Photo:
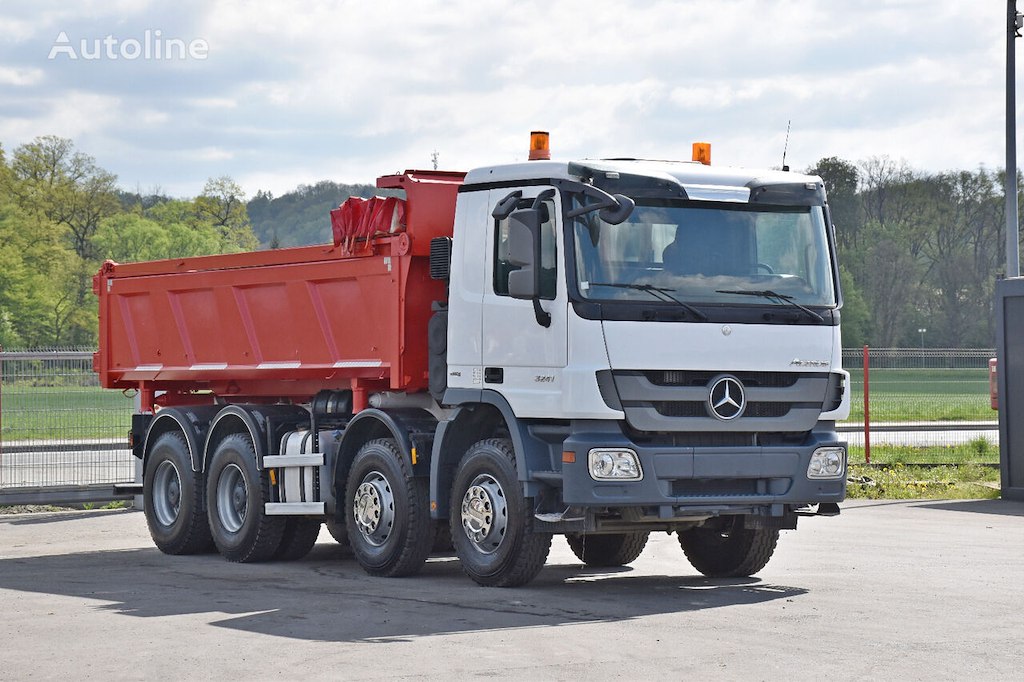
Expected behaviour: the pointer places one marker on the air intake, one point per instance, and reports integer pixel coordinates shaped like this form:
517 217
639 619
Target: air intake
440 258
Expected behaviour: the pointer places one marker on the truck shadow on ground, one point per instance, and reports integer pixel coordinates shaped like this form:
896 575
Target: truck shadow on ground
998 507
326 597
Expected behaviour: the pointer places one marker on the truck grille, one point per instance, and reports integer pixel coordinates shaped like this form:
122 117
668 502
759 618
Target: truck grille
695 409
673 377
672 401
729 487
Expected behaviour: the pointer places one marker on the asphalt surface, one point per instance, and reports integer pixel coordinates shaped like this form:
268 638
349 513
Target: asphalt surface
888 590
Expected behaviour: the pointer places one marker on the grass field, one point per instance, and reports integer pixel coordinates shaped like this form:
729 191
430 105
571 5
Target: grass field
903 482
978 451
902 395
67 413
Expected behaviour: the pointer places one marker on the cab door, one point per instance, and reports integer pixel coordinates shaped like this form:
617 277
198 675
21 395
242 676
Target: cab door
523 359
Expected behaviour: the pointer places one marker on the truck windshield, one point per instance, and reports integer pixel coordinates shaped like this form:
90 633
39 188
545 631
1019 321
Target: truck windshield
705 252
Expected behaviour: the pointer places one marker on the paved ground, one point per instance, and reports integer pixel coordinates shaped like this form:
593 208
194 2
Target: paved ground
889 590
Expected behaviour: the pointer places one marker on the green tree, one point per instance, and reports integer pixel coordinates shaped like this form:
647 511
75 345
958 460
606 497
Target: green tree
222 204
841 180
302 216
856 316
128 238
49 178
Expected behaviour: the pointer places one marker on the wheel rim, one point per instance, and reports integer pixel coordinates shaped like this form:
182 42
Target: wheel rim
166 493
232 498
484 513
374 509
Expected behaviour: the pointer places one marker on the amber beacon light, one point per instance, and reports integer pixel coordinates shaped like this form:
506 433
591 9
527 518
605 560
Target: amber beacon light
540 146
702 152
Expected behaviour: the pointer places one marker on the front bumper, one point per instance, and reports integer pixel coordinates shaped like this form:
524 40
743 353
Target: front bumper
679 478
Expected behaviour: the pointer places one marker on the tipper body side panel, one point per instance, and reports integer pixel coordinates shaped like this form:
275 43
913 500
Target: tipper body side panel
285 323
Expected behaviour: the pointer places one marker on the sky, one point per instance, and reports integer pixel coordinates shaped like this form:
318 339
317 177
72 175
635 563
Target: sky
277 94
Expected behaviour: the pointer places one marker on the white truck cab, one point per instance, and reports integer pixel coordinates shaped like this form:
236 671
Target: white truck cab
662 340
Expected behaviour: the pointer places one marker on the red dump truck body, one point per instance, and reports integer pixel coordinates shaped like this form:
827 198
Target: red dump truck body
281 324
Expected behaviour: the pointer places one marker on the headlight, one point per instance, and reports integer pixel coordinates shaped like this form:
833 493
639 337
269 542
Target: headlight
827 463
612 464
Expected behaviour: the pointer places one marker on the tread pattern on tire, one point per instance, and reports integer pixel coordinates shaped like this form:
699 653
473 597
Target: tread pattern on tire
269 529
615 549
744 553
196 538
532 553
299 537
340 534
419 533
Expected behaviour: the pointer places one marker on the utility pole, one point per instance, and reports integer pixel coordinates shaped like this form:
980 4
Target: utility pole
1014 21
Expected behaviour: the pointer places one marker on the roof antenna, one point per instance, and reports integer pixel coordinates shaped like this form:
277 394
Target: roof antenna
785 148
435 156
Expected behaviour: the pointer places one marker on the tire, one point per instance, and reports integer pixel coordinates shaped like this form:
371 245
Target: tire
299 537
340 534
727 549
173 498
387 512
236 492
616 549
490 519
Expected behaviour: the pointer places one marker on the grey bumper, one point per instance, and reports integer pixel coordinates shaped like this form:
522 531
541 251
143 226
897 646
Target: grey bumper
718 477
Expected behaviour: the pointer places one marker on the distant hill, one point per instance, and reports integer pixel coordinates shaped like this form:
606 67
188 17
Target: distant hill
300 217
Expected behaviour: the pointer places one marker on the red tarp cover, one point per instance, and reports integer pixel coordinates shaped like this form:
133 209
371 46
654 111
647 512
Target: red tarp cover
360 218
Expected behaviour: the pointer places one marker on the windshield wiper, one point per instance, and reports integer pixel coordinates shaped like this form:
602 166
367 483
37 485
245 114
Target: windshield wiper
783 299
660 293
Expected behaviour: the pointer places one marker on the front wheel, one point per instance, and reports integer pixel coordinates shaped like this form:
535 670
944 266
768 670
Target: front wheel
387 512
615 549
490 519
236 493
725 549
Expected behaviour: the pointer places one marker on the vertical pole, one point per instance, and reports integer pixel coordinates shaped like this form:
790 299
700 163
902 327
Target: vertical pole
1 414
138 501
867 413
1012 237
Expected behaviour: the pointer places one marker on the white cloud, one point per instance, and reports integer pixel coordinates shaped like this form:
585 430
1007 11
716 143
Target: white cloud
350 89
10 76
74 115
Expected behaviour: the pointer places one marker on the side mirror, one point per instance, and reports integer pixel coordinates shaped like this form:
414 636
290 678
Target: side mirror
614 215
524 252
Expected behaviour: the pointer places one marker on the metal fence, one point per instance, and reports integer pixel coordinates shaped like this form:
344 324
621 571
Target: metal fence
62 437
931 397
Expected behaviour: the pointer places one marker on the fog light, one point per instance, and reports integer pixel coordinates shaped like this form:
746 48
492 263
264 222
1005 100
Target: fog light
827 463
612 464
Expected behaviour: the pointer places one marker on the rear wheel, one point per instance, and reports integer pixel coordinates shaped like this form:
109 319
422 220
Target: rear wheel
490 519
725 549
173 498
299 537
340 534
236 493
387 513
615 549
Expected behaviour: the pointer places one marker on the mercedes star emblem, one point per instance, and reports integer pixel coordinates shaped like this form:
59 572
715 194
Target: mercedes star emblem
726 399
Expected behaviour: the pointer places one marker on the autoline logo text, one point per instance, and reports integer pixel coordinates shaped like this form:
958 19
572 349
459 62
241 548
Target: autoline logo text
151 46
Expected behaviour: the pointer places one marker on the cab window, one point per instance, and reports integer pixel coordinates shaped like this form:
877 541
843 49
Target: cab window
548 248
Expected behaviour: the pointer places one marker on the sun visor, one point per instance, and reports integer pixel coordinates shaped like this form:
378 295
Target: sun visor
717 192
